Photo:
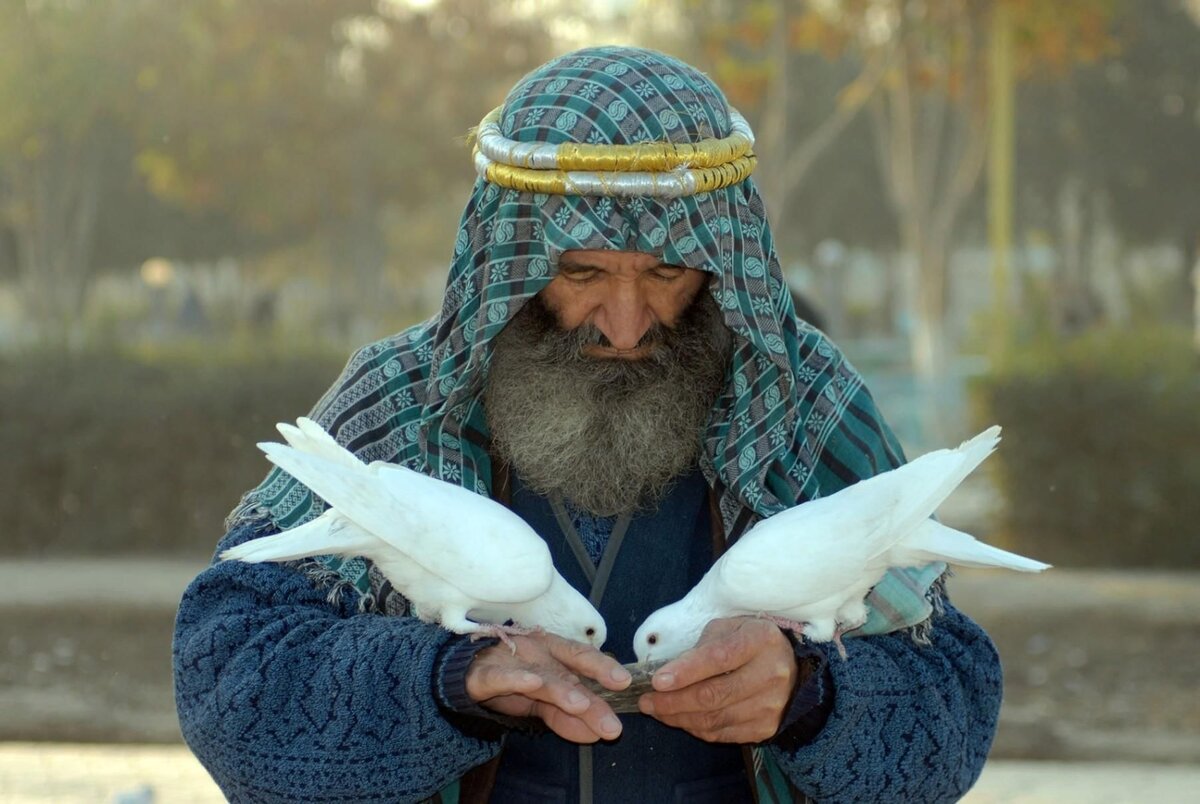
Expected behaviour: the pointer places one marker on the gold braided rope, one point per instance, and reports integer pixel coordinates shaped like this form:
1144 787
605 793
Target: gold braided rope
651 157
561 182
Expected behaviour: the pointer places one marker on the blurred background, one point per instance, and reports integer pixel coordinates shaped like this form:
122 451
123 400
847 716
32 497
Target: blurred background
993 206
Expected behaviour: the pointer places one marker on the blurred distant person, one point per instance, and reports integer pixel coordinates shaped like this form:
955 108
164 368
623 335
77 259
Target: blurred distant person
618 360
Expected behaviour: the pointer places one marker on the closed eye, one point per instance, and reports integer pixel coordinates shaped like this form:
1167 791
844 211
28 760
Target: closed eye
577 273
668 273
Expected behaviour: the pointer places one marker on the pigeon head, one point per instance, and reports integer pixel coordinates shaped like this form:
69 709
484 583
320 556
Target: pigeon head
564 611
667 633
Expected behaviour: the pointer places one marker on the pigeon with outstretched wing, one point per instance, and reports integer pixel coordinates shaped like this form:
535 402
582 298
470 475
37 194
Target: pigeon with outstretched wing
462 560
810 567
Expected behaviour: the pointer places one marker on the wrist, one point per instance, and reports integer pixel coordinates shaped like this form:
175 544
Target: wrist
450 688
811 700
450 673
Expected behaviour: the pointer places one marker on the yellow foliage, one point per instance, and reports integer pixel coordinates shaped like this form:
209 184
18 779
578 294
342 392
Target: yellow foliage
161 174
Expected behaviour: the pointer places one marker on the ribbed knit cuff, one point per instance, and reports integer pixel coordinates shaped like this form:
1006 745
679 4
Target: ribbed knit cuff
450 673
450 688
811 702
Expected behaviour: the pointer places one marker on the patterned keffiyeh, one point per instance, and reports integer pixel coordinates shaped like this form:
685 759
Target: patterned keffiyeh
794 421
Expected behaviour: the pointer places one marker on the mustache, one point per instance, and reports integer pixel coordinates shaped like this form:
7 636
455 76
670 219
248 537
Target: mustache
561 345
607 434
590 335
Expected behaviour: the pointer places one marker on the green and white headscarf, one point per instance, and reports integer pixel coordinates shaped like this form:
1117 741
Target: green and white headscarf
794 422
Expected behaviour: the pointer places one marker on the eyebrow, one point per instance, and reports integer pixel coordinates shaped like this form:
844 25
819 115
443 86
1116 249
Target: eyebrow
570 265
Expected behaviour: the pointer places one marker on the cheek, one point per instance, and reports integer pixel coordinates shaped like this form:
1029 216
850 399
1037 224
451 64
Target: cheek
569 306
670 304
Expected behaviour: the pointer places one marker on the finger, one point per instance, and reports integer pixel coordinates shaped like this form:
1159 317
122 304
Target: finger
567 695
725 646
767 678
746 722
710 657
569 727
487 681
704 696
562 690
572 713
588 727
587 661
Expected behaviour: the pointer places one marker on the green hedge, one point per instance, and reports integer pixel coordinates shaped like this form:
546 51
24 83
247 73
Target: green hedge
108 454
103 454
1100 464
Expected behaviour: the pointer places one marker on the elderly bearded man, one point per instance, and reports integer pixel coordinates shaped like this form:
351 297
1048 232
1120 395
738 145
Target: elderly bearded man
617 359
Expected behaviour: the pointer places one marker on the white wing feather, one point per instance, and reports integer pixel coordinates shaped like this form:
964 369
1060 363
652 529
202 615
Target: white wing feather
815 562
453 533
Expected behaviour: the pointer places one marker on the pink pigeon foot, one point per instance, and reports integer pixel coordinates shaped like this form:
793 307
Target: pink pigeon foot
797 628
503 633
785 624
837 640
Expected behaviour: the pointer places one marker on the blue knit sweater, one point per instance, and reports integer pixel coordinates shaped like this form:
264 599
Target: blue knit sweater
286 695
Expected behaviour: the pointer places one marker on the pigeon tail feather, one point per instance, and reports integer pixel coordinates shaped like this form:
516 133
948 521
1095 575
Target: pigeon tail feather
310 438
322 536
934 541
954 465
355 492
936 473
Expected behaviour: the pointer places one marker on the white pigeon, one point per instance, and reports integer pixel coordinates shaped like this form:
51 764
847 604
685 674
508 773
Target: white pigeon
462 560
808 568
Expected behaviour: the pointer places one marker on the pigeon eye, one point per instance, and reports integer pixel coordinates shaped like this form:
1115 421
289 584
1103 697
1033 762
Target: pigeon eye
590 631
652 639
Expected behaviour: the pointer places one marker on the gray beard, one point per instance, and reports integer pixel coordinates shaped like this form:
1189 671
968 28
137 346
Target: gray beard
607 434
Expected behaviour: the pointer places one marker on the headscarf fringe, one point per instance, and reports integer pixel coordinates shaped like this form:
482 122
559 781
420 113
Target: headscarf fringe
336 583
922 632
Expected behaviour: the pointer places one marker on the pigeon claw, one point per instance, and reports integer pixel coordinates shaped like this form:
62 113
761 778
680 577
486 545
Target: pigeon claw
504 633
785 624
797 628
837 640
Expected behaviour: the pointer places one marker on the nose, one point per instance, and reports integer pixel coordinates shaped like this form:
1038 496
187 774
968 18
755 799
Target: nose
625 316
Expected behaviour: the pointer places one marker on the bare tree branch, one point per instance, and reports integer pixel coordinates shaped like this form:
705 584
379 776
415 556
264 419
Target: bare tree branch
851 101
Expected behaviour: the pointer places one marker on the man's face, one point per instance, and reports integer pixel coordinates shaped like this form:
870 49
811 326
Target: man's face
622 294
600 387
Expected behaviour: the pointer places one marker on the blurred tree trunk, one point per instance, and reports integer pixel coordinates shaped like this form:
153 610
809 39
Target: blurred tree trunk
931 142
777 132
358 253
761 55
63 80
1075 303
55 198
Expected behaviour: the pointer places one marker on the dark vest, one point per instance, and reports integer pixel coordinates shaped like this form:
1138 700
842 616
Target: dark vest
662 555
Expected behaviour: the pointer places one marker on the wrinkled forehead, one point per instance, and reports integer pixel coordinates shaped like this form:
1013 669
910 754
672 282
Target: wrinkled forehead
615 95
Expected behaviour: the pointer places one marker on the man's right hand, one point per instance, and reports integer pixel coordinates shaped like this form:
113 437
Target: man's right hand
541 679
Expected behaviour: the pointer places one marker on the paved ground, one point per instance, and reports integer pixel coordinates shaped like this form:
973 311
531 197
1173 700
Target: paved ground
56 773
1100 684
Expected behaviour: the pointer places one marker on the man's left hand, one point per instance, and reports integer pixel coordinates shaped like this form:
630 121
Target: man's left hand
732 687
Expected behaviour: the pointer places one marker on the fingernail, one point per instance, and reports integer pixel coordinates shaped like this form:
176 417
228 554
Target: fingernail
664 681
576 698
620 674
610 725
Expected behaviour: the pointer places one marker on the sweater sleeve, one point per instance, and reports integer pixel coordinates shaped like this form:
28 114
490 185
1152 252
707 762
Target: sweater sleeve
909 722
287 694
